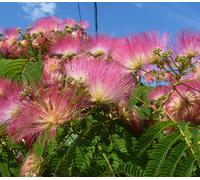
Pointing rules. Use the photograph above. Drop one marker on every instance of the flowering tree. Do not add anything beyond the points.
(77, 105)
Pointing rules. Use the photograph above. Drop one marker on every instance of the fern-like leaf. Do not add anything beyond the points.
(186, 166)
(173, 160)
(21, 70)
(12, 69)
(159, 153)
(130, 169)
(151, 134)
(119, 143)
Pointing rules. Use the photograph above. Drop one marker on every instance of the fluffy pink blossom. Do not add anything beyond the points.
(11, 33)
(137, 50)
(100, 45)
(10, 104)
(78, 68)
(66, 46)
(8, 46)
(69, 23)
(108, 82)
(184, 102)
(50, 108)
(52, 71)
(84, 24)
(46, 25)
(158, 92)
(4, 86)
(188, 43)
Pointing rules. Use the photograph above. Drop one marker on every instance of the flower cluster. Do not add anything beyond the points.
(81, 72)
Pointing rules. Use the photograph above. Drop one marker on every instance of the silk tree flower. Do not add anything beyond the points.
(108, 82)
(10, 103)
(11, 34)
(8, 46)
(31, 165)
(79, 29)
(188, 43)
(84, 24)
(5, 84)
(66, 46)
(100, 45)
(49, 109)
(52, 71)
(78, 68)
(159, 92)
(183, 103)
(69, 23)
(46, 25)
(137, 50)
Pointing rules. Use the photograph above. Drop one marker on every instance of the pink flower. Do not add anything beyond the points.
(159, 92)
(8, 46)
(11, 33)
(137, 50)
(188, 43)
(184, 102)
(84, 24)
(108, 82)
(52, 71)
(10, 104)
(66, 46)
(69, 23)
(49, 109)
(4, 86)
(46, 25)
(100, 45)
(78, 68)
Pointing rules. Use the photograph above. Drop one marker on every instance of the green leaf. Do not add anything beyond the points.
(52, 146)
(80, 159)
(140, 92)
(114, 160)
(32, 74)
(170, 164)
(119, 143)
(191, 138)
(38, 149)
(196, 143)
(159, 154)
(19, 70)
(12, 69)
(4, 170)
(184, 129)
(186, 166)
(151, 134)
(130, 169)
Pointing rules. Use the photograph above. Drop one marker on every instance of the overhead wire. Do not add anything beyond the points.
(79, 11)
(96, 17)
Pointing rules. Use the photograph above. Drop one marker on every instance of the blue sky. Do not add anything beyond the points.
(117, 19)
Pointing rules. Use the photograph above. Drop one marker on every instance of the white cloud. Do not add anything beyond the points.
(38, 10)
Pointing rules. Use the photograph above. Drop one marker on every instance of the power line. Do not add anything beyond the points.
(79, 11)
(96, 17)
